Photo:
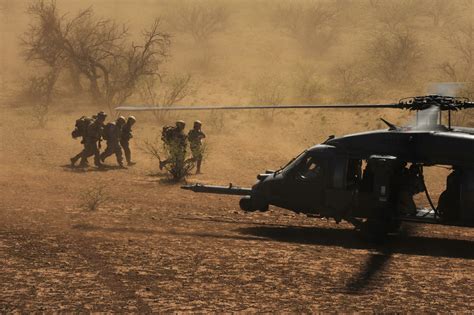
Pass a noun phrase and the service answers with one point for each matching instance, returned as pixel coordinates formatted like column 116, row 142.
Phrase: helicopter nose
column 252, row 204
column 246, row 204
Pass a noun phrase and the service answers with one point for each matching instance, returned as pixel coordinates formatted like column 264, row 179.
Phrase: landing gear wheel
column 376, row 230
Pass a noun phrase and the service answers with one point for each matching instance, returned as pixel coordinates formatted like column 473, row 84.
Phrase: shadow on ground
column 104, row 168
column 346, row 238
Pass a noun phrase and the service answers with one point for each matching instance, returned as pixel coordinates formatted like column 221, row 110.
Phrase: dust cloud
column 234, row 52
column 265, row 52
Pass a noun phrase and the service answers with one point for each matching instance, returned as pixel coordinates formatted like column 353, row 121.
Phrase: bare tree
column 200, row 19
column 307, row 85
column 41, row 46
column 395, row 14
column 41, row 49
column 98, row 48
column 461, row 40
column 38, row 91
column 165, row 92
column 268, row 90
column 441, row 11
column 75, row 77
column 394, row 56
column 311, row 23
column 352, row 84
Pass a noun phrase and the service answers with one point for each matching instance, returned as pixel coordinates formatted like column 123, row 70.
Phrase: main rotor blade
column 178, row 108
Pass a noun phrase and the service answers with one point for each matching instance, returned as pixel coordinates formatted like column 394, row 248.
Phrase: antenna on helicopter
column 389, row 124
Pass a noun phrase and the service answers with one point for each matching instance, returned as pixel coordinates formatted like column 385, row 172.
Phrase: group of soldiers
column 176, row 140
column 117, row 135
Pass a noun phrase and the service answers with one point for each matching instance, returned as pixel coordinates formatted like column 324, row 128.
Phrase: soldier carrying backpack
column 167, row 134
column 111, row 135
column 175, row 141
column 80, row 131
column 125, row 137
column 92, row 138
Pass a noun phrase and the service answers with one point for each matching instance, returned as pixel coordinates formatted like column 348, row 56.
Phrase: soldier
column 80, row 131
column 195, row 137
column 92, row 140
column 449, row 200
column 175, row 139
column 125, row 137
column 411, row 183
column 112, row 134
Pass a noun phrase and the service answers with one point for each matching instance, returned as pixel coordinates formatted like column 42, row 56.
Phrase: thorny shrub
column 179, row 165
column 93, row 197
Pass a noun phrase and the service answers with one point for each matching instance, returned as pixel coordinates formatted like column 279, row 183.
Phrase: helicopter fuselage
column 329, row 179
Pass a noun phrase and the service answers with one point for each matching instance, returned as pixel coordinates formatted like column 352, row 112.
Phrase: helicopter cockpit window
column 294, row 162
column 310, row 169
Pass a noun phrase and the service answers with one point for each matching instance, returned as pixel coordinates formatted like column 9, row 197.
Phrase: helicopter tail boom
column 222, row 190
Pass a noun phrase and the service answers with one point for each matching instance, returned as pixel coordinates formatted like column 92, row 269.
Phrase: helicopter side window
column 310, row 169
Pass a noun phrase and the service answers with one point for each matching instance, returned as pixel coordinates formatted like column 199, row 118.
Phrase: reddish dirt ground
column 154, row 247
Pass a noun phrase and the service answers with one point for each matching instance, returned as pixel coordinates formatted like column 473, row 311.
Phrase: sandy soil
column 152, row 247
column 155, row 247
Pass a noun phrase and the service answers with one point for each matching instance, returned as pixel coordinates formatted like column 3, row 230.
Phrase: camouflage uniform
column 195, row 137
column 125, row 137
column 91, row 140
column 176, row 145
column 76, row 158
column 114, row 130
column 82, row 134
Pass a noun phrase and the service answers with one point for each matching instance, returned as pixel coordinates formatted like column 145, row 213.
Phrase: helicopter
column 364, row 178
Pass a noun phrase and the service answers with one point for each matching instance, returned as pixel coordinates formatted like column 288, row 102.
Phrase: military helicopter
column 364, row 178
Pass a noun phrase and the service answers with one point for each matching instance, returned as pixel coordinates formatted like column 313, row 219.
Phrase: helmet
column 132, row 118
column 121, row 120
column 101, row 114
column 198, row 122
column 180, row 122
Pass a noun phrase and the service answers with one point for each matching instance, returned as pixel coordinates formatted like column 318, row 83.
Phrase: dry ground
column 153, row 247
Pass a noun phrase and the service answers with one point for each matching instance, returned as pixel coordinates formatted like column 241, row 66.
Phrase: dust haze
column 151, row 247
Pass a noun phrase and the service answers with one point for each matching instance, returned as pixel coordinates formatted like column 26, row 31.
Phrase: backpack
column 80, row 128
column 108, row 131
column 167, row 134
